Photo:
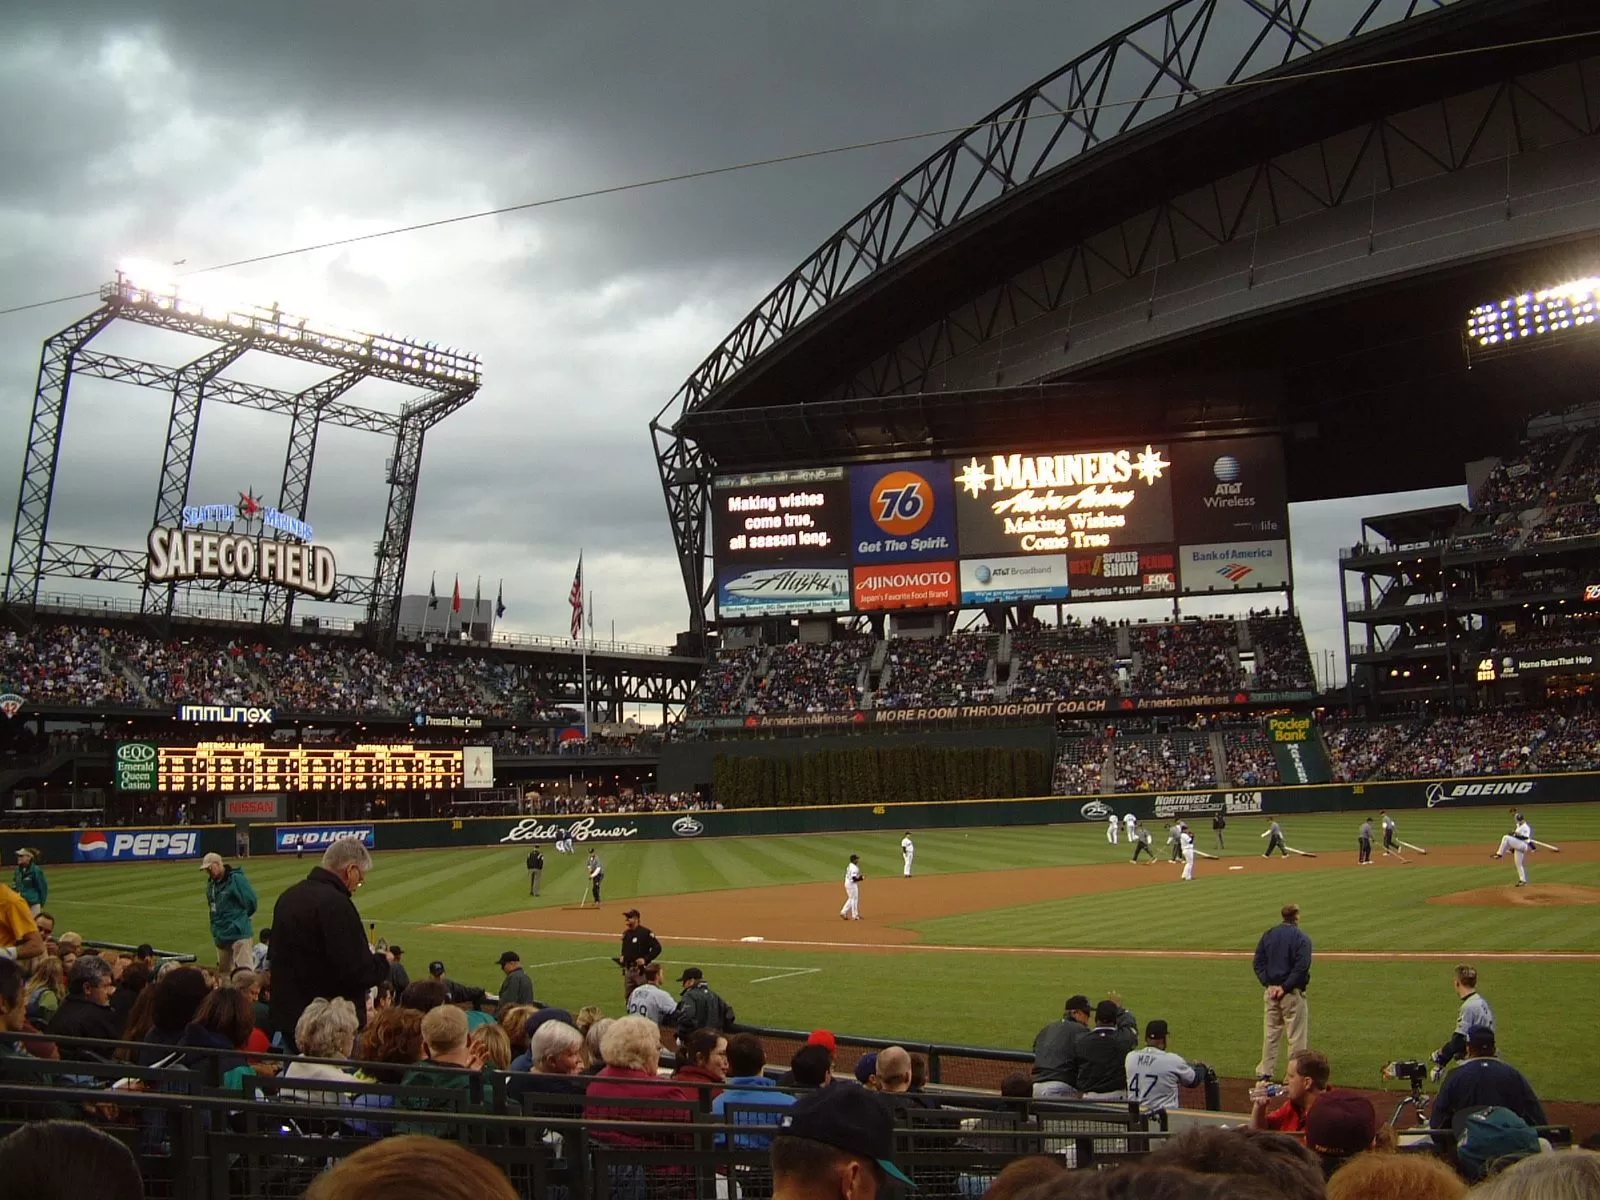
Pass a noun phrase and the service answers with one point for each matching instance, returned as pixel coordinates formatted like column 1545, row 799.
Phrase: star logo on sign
column 974, row 478
column 1150, row 464
column 249, row 506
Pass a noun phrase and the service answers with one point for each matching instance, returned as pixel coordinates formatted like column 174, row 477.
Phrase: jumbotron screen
column 1080, row 524
column 256, row 767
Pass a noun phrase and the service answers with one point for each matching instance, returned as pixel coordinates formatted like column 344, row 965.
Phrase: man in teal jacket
column 233, row 903
column 29, row 881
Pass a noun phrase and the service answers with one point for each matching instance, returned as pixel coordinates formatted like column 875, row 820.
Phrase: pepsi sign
column 319, row 838
column 134, row 845
column 902, row 512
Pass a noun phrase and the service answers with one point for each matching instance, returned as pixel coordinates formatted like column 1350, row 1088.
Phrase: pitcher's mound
column 1535, row 895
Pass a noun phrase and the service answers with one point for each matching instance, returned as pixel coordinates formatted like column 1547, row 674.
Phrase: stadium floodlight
column 1533, row 318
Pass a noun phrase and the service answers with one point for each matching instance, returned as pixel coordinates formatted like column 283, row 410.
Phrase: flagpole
column 584, row 643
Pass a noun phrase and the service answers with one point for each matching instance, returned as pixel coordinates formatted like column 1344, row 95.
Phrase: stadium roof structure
column 1232, row 216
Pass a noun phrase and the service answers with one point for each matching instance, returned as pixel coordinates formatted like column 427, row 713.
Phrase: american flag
column 576, row 600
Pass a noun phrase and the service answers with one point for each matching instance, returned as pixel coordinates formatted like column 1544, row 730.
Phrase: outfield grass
column 1364, row 1012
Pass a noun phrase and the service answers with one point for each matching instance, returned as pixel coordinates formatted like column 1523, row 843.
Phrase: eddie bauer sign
column 584, row 829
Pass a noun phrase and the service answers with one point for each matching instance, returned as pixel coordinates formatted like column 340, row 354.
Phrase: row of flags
column 477, row 597
column 574, row 599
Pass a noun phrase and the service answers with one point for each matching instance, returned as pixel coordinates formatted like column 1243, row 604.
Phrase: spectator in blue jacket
column 1483, row 1081
column 29, row 881
column 233, row 902
column 748, row 1086
column 1283, row 965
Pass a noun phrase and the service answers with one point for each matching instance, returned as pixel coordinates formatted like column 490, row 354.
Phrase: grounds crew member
column 701, row 1008
column 29, row 881
column 19, row 936
column 535, row 870
column 233, row 902
column 516, row 988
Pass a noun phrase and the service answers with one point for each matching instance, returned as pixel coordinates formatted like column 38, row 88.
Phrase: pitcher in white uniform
column 907, row 852
column 1519, row 842
column 852, row 890
column 1112, row 829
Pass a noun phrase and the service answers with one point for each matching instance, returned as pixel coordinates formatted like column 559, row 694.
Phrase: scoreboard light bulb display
column 256, row 767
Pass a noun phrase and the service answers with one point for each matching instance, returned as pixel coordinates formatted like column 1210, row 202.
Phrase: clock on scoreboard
column 256, row 767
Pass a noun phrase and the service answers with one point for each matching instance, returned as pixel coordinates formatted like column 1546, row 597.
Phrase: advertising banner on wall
column 1122, row 574
column 1564, row 660
column 908, row 585
column 319, row 838
column 1015, row 580
column 781, row 517
column 1063, row 503
column 477, row 767
column 779, row 591
column 134, row 845
column 253, row 808
column 1229, row 489
column 902, row 512
column 137, row 766
column 1233, row 567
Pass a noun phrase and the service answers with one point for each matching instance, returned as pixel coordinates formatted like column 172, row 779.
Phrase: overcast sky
column 204, row 133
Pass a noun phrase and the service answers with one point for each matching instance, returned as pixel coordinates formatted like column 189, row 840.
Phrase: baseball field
column 998, row 926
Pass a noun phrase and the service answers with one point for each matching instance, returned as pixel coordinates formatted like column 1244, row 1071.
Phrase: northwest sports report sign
column 190, row 551
column 1106, row 522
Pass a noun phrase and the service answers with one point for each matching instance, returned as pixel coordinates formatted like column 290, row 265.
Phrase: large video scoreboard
column 1083, row 524
column 257, row 767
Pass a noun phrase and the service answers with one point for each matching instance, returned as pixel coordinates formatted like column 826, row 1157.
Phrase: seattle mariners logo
column 1435, row 794
column 1095, row 810
column 687, row 827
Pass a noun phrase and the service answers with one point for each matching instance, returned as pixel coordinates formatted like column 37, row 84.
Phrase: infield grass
column 1364, row 1012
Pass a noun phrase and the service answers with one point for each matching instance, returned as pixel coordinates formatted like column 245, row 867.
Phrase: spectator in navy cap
column 836, row 1142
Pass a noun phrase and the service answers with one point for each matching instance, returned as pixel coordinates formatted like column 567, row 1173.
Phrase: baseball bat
column 1409, row 846
column 1301, row 853
column 1546, row 846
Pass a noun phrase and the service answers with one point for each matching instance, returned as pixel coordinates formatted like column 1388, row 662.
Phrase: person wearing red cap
column 1340, row 1126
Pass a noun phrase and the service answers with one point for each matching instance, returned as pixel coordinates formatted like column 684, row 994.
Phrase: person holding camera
column 1154, row 1073
column 1305, row 1080
column 1475, row 1013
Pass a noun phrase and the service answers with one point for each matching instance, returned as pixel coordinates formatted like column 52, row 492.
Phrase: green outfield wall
column 189, row 842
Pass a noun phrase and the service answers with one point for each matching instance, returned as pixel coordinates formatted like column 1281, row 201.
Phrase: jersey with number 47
column 1154, row 1076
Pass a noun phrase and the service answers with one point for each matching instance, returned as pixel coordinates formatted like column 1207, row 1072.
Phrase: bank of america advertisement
column 1233, row 567
column 755, row 592
column 1014, row 580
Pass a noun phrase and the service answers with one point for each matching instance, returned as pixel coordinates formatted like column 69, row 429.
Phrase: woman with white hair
column 631, row 1047
column 326, row 1029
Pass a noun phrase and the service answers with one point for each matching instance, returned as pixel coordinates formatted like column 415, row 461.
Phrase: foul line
column 1069, row 952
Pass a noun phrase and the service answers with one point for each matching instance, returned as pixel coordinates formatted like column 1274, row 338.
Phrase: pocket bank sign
column 196, row 549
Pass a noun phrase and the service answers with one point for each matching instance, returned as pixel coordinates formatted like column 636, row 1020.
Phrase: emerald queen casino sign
column 191, row 551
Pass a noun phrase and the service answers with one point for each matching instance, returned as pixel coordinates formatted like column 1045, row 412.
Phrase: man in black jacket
column 701, row 1008
column 639, row 949
column 399, row 977
column 87, row 1011
column 457, row 993
column 535, row 870
column 319, row 948
column 1283, row 965
column 1098, row 1066
column 1483, row 1081
column 1053, row 1047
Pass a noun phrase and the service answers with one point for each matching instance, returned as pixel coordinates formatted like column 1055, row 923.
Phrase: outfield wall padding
column 1526, row 790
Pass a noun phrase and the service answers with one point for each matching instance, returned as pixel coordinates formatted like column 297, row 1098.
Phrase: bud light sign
column 319, row 838
column 134, row 845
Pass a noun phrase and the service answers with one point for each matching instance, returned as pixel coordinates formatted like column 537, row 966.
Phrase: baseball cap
column 1079, row 1003
column 547, row 1014
column 436, row 968
column 510, row 956
column 691, row 973
column 1156, row 1029
column 1480, row 1039
column 144, row 950
column 866, row 1066
column 632, row 912
column 211, row 860
column 395, row 950
column 1488, row 1136
column 1341, row 1124
column 850, row 1119
column 821, row 1037
column 1106, row 1012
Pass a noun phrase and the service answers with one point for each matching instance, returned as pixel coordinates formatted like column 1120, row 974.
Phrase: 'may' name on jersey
column 1154, row 1076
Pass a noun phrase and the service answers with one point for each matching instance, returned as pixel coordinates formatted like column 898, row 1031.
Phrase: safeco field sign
column 136, row 767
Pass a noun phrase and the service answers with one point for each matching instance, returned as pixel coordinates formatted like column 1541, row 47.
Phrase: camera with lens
column 1409, row 1070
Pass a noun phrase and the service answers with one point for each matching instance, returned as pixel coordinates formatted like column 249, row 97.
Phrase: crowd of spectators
column 1283, row 663
column 1080, row 767
column 726, row 674
column 1486, row 743
column 63, row 664
column 1073, row 662
column 1359, row 750
column 1161, row 764
column 1567, row 521
column 1249, row 758
column 638, row 802
column 1523, row 480
column 811, row 677
column 1186, row 658
column 954, row 669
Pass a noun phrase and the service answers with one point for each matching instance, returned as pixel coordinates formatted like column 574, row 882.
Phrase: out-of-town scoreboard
column 255, row 767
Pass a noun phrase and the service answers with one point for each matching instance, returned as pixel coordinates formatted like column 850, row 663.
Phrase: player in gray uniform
column 1154, row 1073
column 1475, row 1012
column 1364, row 840
column 1141, row 839
column 1274, row 836
column 1391, row 843
column 1175, row 840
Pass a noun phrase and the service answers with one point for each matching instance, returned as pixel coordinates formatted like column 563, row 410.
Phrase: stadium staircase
column 1108, row 770
column 1241, row 633
column 1219, row 758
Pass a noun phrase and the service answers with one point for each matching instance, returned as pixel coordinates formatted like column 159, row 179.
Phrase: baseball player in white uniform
column 907, row 852
column 852, row 890
column 1128, row 822
column 1186, row 844
column 1520, row 843
column 1155, row 1073
column 1112, row 829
